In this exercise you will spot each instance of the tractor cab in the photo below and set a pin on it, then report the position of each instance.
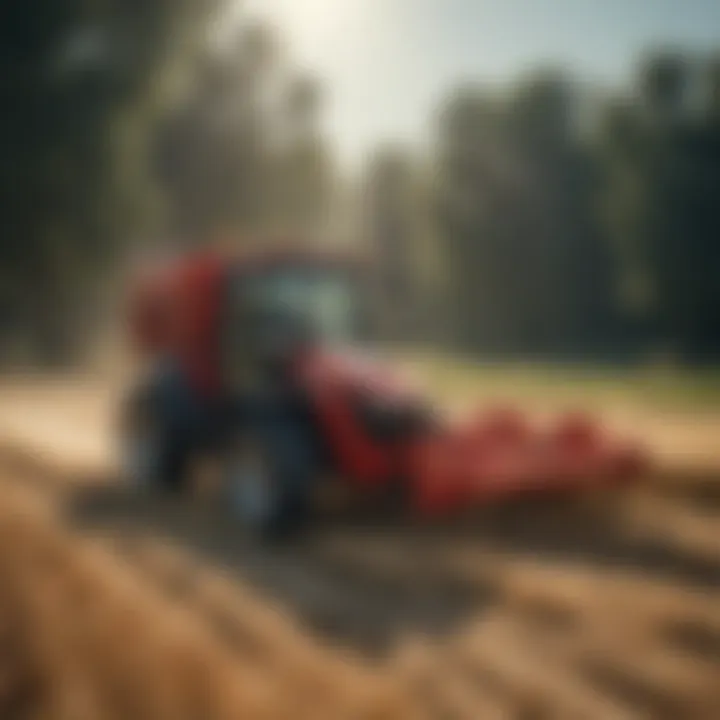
(273, 311)
(225, 319)
(247, 359)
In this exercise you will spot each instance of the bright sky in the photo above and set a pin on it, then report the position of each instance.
(387, 63)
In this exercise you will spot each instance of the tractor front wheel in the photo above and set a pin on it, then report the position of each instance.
(268, 488)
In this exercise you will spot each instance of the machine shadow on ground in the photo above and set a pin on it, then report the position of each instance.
(366, 582)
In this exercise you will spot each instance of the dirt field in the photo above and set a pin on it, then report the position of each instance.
(117, 607)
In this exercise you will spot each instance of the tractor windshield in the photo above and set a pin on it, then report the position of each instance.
(323, 299)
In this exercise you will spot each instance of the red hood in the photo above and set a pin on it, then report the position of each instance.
(352, 369)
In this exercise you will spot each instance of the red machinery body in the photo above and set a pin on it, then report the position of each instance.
(495, 455)
(176, 310)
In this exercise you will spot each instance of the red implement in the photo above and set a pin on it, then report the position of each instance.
(500, 456)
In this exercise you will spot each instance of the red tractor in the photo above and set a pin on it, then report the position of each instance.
(254, 359)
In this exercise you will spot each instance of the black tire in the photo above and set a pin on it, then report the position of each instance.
(281, 506)
(153, 457)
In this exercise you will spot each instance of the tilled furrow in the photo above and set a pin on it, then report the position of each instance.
(252, 629)
(542, 618)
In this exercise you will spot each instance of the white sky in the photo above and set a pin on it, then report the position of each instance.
(388, 63)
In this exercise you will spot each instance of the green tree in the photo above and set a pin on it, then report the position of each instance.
(514, 196)
(303, 170)
(74, 74)
(662, 174)
(398, 232)
(242, 151)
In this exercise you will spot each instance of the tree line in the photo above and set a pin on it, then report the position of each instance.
(128, 124)
(543, 219)
(568, 223)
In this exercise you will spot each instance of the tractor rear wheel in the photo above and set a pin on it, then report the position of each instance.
(152, 457)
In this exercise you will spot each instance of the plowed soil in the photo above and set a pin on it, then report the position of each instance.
(118, 606)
